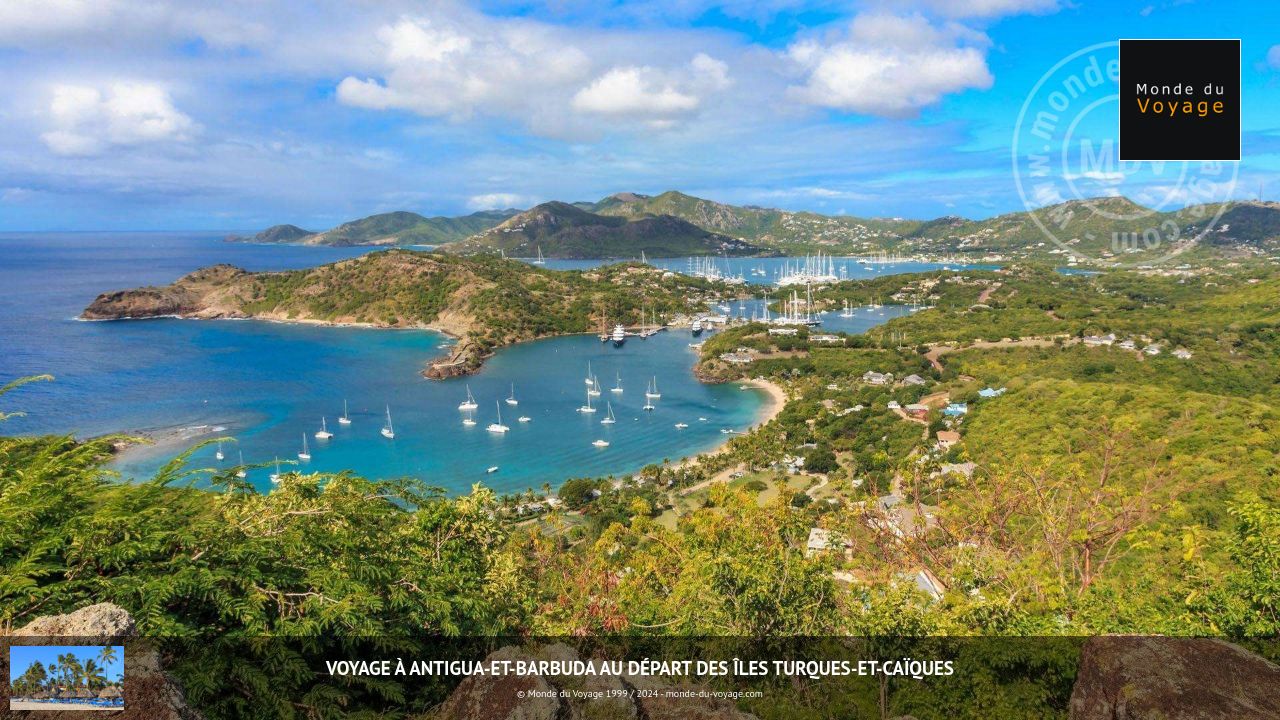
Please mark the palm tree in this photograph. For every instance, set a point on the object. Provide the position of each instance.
(107, 655)
(91, 676)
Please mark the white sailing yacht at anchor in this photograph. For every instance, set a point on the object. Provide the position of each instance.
(652, 393)
(498, 427)
(609, 419)
(587, 408)
(469, 403)
(345, 419)
(618, 385)
(388, 431)
(305, 454)
(323, 433)
(218, 455)
(512, 400)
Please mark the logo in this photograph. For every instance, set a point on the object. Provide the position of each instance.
(1083, 197)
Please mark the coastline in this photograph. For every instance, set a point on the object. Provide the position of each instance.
(777, 399)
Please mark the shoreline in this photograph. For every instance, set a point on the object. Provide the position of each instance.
(776, 400)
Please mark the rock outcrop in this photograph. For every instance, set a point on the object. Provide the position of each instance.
(150, 693)
(1149, 678)
(591, 697)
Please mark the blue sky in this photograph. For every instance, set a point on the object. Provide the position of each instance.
(21, 657)
(183, 114)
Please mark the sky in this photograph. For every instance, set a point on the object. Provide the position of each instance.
(21, 657)
(236, 115)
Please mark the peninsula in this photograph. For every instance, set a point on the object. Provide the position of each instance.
(484, 301)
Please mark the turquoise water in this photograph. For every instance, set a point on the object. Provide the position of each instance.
(269, 383)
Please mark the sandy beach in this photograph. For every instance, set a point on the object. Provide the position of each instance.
(777, 399)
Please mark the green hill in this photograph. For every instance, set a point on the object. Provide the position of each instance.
(281, 234)
(763, 226)
(393, 228)
(562, 230)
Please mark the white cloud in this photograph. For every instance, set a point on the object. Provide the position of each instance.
(445, 66)
(86, 120)
(497, 201)
(655, 96)
(891, 66)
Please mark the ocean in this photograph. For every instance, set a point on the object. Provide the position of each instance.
(267, 385)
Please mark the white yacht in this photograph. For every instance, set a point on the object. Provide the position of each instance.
(681, 426)
(498, 427)
(652, 393)
(617, 387)
(218, 455)
(523, 418)
(609, 419)
(512, 400)
(469, 420)
(697, 327)
(323, 433)
(619, 335)
(305, 454)
(388, 431)
(540, 260)
(590, 379)
(275, 476)
(601, 443)
(469, 403)
(345, 419)
(241, 473)
(587, 408)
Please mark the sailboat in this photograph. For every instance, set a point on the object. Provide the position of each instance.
(241, 473)
(594, 390)
(610, 419)
(617, 387)
(275, 476)
(541, 260)
(305, 454)
(388, 431)
(587, 408)
(218, 455)
(652, 393)
(498, 427)
(469, 403)
(643, 259)
(512, 400)
(590, 378)
(323, 433)
(346, 416)
(848, 311)
(648, 395)
(469, 420)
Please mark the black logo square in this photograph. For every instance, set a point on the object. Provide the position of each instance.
(1179, 100)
